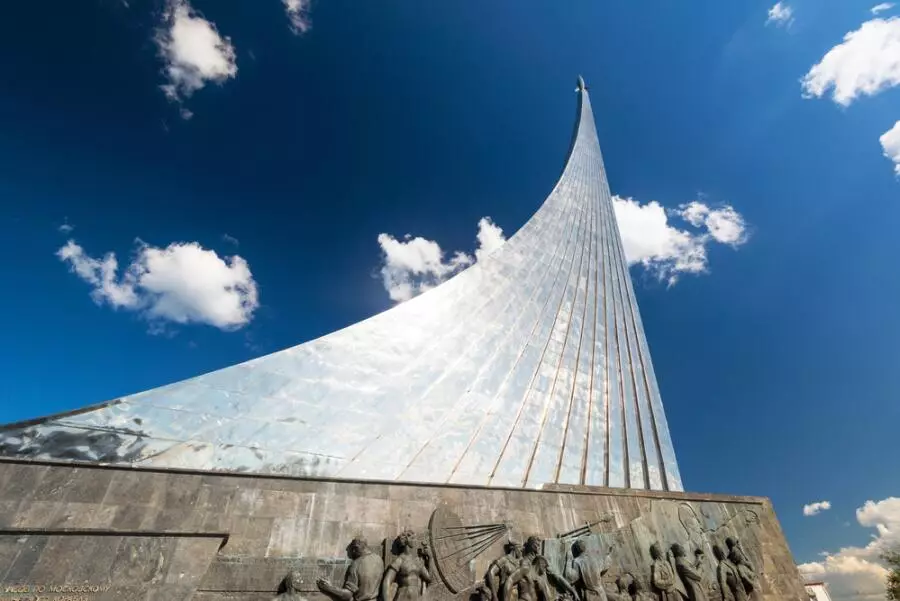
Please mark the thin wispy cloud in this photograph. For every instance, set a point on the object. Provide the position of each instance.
(780, 15)
(880, 8)
(297, 12)
(866, 63)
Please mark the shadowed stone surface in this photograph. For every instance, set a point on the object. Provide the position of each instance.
(152, 535)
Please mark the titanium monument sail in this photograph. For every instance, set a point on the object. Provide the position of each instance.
(529, 367)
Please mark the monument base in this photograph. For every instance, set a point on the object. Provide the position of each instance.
(71, 531)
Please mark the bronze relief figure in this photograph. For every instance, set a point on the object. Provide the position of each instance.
(662, 576)
(501, 569)
(290, 588)
(410, 570)
(691, 573)
(362, 580)
(585, 571)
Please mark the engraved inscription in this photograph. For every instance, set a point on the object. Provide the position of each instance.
(51, 592)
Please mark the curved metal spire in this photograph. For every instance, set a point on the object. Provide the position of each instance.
(529, 367)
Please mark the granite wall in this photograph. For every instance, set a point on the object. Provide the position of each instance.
(96, 533)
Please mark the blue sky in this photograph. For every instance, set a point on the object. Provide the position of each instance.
(181, 136)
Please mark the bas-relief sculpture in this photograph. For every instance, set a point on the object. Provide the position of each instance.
(735, 576)
(585, 570)
(362, 581)
(501, 568)
(692, 574)
(662, 577)
(290, 588)
(448, 551)
(407, 576)
(535, 580)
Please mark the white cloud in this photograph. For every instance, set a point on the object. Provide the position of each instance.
(490, 237)
(890, 142)
(182, 283)
(194, 52)
(231, 239)
(413, 265)
(725, 225)
(66, 227)
(856, 573)
(816, 508)
(298, 14)
(879, 8)
(649, 239)
(102, 274)
(865, 63)
(781, 15)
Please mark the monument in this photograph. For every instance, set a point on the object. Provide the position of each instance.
(406, 457)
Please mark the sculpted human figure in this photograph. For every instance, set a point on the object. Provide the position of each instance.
(532, 582)
(534, 577)
(363, 577)
(662, 576)
(637, 591)
(482, 593)
(745, 571)
(691, 573)
(585, 572)
(410, 570)
(624, 582)
(730, 586)
(501, 568)
(291, 588)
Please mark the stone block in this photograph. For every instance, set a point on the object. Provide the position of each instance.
(190, 560)
(21, 480)
(248, 536)
(132, 517)
(88, 485)
(28, 553)
(84, 515)
(136, 488)
(37, 514)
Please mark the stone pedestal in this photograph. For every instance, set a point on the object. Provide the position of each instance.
(96, 533)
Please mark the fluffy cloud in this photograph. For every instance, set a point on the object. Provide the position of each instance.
(856, 573)
(781, 15)
(890, 142)
(182, 283)
(880, 8)
(490, 237)
(298, 14)
(725, 225)
(816, 508)
(413, 265)
(667, 251)
(865, 63)
(194, 52)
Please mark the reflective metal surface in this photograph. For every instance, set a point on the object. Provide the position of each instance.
(527, 368)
